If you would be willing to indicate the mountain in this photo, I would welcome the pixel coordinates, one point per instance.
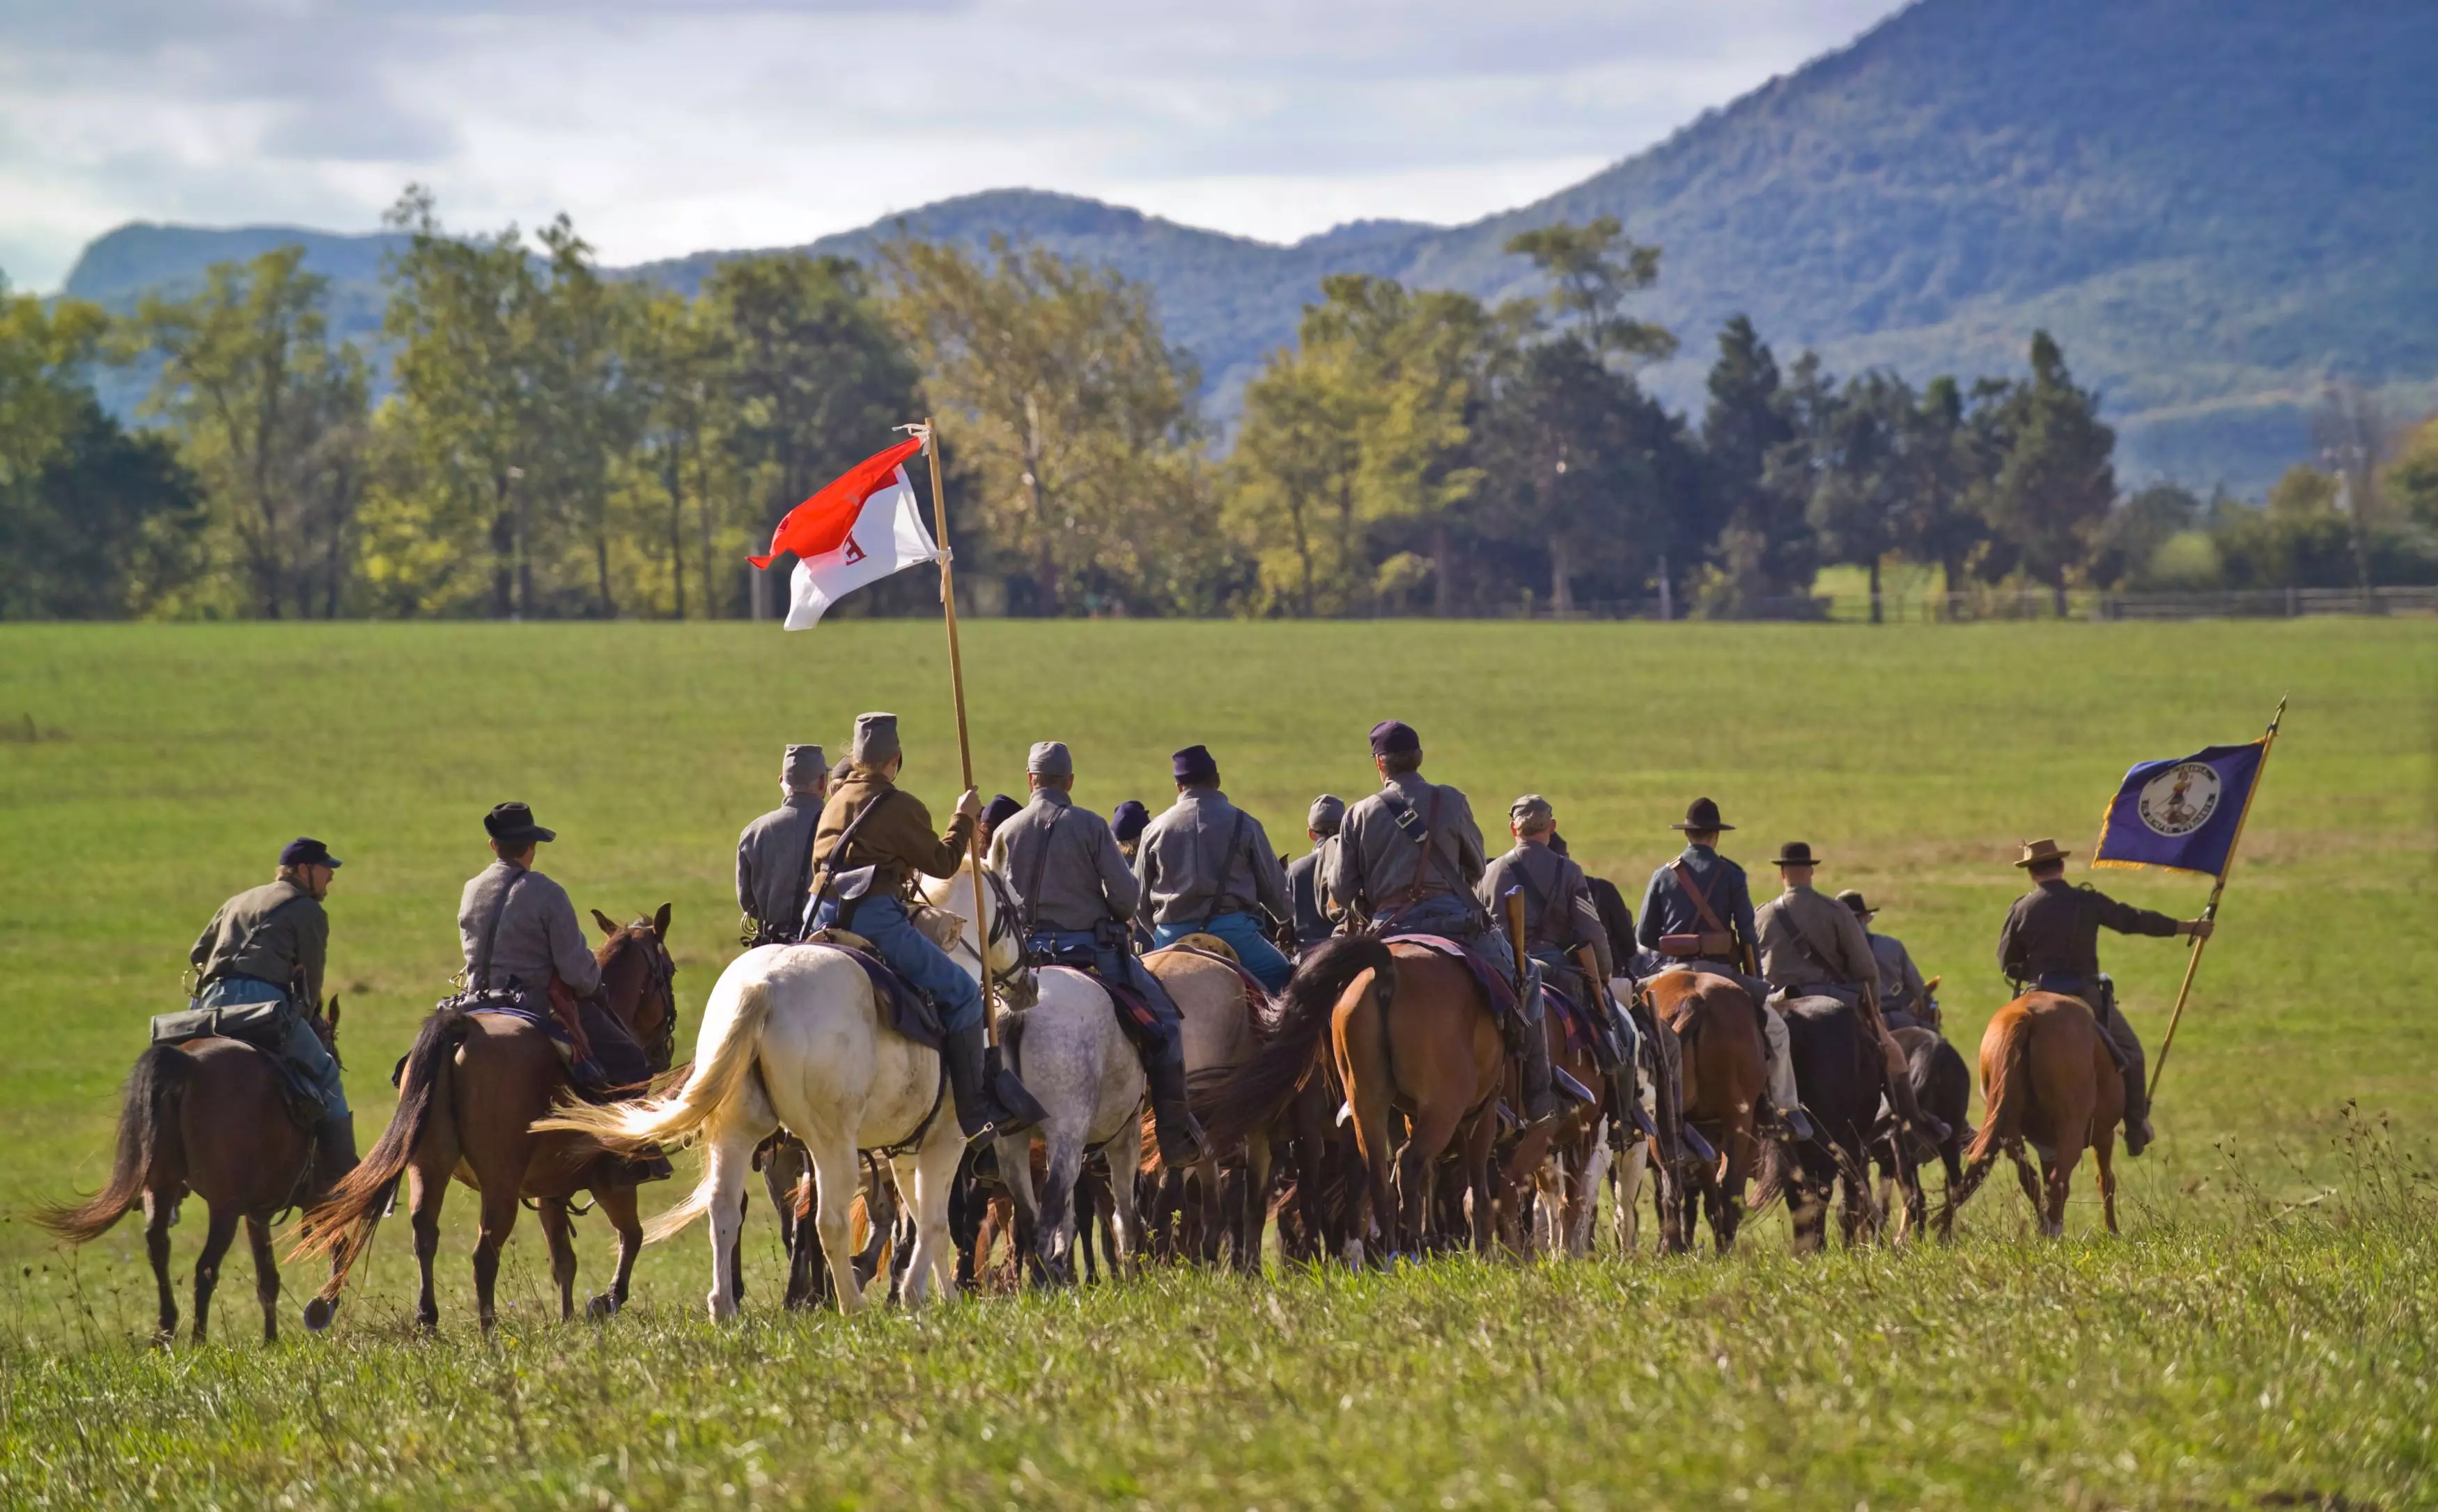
(2214, 204)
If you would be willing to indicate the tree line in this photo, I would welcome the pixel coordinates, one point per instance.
(532, 438)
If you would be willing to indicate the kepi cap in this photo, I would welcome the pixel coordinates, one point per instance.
(1530, 806)
(1327, 815)
(876, 739)
(1001, 809)
(1130, 821)
(803, 766)
(1196, 764)
(1394, 737)
(1050, 758)
(305, 851)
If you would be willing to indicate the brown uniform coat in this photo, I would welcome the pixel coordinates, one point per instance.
(1809, 938)
(2055, 929)
(898, 842)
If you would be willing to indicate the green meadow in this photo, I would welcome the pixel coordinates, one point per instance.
(2262, 1336)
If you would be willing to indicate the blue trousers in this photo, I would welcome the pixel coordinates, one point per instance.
(1162, 1042)
(298, 1043)
(1244, 936)
(882, 919)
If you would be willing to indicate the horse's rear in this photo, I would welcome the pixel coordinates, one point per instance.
(2046, 1080)
(1219, 1034)
(1842, 1077)
(1438, 1057)
(1075, 1060)
(1725, 1068)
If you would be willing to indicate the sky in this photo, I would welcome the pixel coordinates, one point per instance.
(664, 127)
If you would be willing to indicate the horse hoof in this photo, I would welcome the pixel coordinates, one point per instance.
(601, 1307)
(318, 1314)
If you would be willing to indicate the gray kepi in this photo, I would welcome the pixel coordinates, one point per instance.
(1050, 758)
(803, 768)
(876, 740)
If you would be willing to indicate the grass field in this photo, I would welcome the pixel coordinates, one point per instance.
(2263, 1337)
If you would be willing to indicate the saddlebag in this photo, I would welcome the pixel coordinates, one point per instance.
(260, 1025)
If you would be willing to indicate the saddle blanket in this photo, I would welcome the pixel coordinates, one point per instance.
(1495, 988)
(1572, 1016)
(582, 1071)
(1253, 988)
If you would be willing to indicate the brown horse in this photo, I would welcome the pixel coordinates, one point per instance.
(465, 1096)
(1221, 1013)
(207, 1117)
(2046, 1078)
(1726, 1070)
(1410, 1033)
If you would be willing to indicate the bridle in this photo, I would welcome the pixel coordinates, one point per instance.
(660, 977)
(1002, 919)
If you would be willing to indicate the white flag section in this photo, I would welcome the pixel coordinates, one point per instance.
(888, 536)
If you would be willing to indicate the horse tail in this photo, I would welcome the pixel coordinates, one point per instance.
(2002, 1112)
(719, 1070)
(1255, 1092)
(342, 1225)
(153, 1091)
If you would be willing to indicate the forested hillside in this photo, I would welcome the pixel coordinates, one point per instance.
(2214, 206)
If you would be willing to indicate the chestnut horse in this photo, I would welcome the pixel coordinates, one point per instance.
(1726, 1070)
(465, 1095)
(1410, 1033)
(207, 1117)
(2046, 1078)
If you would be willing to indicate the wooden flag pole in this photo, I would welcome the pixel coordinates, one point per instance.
(956, 685)
(2193, 961)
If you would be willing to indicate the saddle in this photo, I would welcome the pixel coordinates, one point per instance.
(1214, 948)
(583, 1072)
(1134, 1011)
(260, 1027)
(902, 1004)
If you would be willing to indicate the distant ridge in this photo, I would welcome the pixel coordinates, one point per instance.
(2214, 204)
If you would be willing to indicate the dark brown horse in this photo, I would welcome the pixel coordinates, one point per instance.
(468, 1090)
(207, 1117)
(1410, 1034)
(2047, 1080)
(1726, 1070)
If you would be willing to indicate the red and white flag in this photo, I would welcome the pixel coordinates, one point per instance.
(859, 530)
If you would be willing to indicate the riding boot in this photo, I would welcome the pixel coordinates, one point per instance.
(647, 1164)
(1797, 1122)
(1181, 1143)
(1541, 1099)
(334, 1152)
(989, 1098)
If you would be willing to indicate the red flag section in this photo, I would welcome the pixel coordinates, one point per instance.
(818, 525)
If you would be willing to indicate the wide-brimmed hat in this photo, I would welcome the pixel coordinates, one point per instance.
(305, 851)
(2035, 852)
(1854, 900)
(1702, 815)
(513, 824)
(1796, 853)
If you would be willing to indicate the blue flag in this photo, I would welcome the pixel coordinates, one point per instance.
(2183, 814)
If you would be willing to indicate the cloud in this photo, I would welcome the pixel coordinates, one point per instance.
(666, 128)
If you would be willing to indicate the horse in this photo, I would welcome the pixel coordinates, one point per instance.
(2046, 1078)
(1942, 1087)
(208, 1116)
(1556, 1169)
(1410, 1032)
(793, 1035)
(1842, 1078)
(468, 1094)
(1071, 1053)
(1725, 1068)
(1221, 1013)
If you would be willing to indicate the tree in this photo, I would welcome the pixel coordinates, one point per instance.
(1591, 277)
(1078, 419)
(43, 351)
(2049, 496)
(1860, 481)
(1944, 474)
(1291, 485)
(103, 527)
(1759, 542)
(811, 374)
(2135, 530)
(2411, 479)
(270, 417)
(2351, 427)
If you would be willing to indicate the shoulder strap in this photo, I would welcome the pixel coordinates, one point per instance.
(1701, 899)
(1227, 864)
(804, 873)
(1040, 868)
(1533, 889)
(846, 837)
(482, 981)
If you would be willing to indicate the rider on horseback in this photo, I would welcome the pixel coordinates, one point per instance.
(775, 855)
(2051, 940)
(1407, 858)
(1904, 997)
(1560, 919)
(1304, 893)
(873, 838)
(1813, 946)
(268, 945)
(1697, 914)
(1078, 898)
(1205, 868)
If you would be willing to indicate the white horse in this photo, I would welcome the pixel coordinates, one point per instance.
(1071, 1053)
(793, 1036)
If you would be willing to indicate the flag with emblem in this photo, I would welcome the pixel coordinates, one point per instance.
(2183, 814)
(859, 530)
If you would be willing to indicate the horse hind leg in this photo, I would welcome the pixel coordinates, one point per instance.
(731, 1157)
(1053, 1234)
(2103, 1150)
(497, 1221)
(426, 1191)
(158, 1208)
(217, 1239)
(618, 1204)
(552, 1216)
(266, 1274)
(837, 1178)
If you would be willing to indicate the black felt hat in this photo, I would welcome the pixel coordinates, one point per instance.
(1796, 853)
(513, 824)
(1702, 815)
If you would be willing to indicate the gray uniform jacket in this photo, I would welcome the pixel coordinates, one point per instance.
(1900, 984)
(1304, 892)
(1373, 865)
(1807, 939)
(1063, 864)
(1197, 862)
(274, 933)
(538, 933)
(774, 862)
(1558, 907)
